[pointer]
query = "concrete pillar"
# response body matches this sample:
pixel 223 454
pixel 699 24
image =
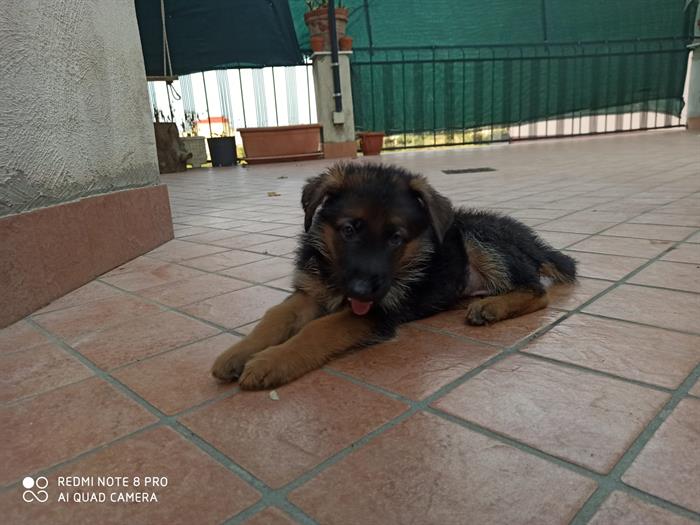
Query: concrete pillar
pixel 338 128
pixel 79 187
pixel 694 84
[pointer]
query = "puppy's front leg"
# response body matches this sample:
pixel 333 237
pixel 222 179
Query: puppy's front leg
pixel 277 325
pixel 311 348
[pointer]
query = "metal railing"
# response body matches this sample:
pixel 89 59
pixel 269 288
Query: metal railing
pixel 435 96
pixel 247 97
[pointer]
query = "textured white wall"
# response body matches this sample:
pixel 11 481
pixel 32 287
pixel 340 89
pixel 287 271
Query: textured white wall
pixel 74 112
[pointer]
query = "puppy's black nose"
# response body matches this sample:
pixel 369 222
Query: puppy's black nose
pixel 360 288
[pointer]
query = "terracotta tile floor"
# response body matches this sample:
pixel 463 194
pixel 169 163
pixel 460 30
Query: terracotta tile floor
pixel 587 411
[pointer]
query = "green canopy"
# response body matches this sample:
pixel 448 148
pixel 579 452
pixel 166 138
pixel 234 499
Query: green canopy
pixel 420 66
pixel 217 34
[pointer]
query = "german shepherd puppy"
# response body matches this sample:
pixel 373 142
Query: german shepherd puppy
pixel 381 247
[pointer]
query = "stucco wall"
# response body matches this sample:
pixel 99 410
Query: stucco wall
pixel 74 111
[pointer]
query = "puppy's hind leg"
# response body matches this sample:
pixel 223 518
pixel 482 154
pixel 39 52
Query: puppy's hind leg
pixel 515 303
pixel 277 325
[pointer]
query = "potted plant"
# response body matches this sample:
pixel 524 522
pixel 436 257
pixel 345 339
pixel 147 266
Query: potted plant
pixel 345 43
pixel 282 143
pixel 371 142
pixel 221 141
pixel 316 19
pixel 172 156
pixel 193 143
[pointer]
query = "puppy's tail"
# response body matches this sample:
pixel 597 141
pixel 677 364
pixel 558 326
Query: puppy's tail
pixel 559 267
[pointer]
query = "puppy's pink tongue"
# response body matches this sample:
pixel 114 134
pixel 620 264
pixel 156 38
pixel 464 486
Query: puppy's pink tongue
pixel 360 307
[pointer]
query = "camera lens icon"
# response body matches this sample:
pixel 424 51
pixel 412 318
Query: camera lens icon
pixel 39 495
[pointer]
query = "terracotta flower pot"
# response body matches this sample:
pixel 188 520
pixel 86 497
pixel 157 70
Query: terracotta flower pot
pixel 317 22
pixel 371 142
pixel 282 143
pixel 316 43
pixel 345 43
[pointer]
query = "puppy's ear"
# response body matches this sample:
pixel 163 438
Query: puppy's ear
pixel 317 189
pixel 439 207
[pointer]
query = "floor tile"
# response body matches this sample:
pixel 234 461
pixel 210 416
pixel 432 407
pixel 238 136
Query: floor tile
pixel 604 266
pixel 581 417
pixel 572 226
pixel 428 470
pixel 559 239
pixel 687 253
pixel 650 231
pixel 20 336
pixel 180 379
pixel 199 490
pixel 177 250
pixel 188 231
pixel 538 213
pixel 210 235
pixel 140 264
pixel 270 516
pixel 37 370
pixel 35 435
pixel 503 333
pixel 92 291
pixel 192 290
pixel 262 271
pixel 162 274
pixel 695 390
pixel 669 466
pixel 245 241
pixel 277 441
pixel 202 220
pixel 140 338
pixel 642 353
pixel 237 308
pixel 224 260
pixel 643 248
pixel 279 247
pixel 285 283
pixel 694 239
pixel 246 328
pixel 416 363
pixel 72 323
pixel 623 509
pixel 664 308
pixel 666 274
pixel 668 219
pixel 571 296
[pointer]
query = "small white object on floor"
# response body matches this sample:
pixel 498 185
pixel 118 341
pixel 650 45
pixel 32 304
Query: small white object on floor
pixel 274 396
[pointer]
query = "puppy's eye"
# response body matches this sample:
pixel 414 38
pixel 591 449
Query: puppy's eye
pixel 347 231
pixel 396 240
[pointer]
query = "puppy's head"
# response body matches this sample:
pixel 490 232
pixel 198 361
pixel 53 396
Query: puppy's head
pixel 374 222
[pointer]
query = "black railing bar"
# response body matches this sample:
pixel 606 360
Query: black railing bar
pixel 308 90
pixel 240 85
pixel 434 104
pixel 403 93
pixel 464 98
pixel 274 94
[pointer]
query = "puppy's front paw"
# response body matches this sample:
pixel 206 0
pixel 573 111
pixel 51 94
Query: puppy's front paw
pixel 263 372
pixel 482 312
pixel 229 366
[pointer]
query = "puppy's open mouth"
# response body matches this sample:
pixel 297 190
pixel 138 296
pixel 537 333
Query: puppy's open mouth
pixel 359 307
